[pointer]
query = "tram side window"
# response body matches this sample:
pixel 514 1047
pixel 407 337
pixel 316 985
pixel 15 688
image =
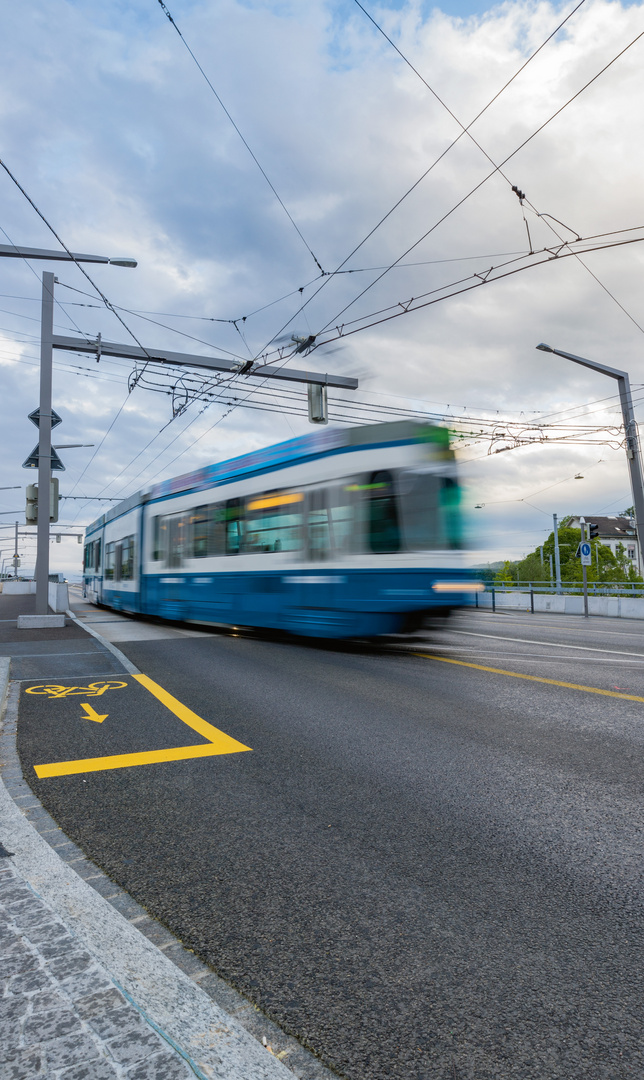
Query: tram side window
pixel 97 556
pixel 159 537
pixel 126 566
pixel 430 511
pixel 110 559
pixel 450 505
pixel 384 531
pixel 88 561
pixel 273 522
pixel 421 516
pixel 177 526
pixel 208 531
pixel 318 526
pixel 344 523
pixel 234 526
pixel 199 529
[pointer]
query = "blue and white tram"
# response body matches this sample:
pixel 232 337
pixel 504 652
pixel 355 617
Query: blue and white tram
pixel 340 533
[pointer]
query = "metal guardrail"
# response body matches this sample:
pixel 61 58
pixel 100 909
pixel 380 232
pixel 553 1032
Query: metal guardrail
pixel 574 588
pixel 628 589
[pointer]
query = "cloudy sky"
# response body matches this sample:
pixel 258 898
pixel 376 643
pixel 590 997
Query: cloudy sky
pixel 114 132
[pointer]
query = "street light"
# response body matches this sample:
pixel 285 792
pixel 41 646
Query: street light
pixel 16 251
pixel 44 425
pixel 630 430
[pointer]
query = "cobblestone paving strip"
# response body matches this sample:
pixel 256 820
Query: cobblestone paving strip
pixel 60 1013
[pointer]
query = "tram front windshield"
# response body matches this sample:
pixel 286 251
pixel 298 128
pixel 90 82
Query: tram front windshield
pixel 429 505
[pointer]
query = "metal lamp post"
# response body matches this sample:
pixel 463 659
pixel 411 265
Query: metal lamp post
pixel 13 251
pixel 630 428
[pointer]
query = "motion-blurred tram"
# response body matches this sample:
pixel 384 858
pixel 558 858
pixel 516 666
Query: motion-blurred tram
pixel 337 534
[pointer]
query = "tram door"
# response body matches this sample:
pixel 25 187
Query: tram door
pixel 173 598
pixel 177 540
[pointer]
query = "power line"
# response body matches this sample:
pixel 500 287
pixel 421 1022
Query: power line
pixel 80 266
pixel 495 170
pixel 477 280
pixel 255 159
pixel 427 171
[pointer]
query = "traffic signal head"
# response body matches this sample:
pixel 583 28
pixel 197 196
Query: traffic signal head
pixel 593 531
pixel 31 509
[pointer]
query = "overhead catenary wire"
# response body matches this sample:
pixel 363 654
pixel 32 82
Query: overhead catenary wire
pixel 244 140
pixel 426 173
pixel 497 169
pixel 80 266
pixel 476 281
pixel 98 291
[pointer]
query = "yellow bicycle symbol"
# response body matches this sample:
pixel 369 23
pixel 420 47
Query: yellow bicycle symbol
pixel 94 689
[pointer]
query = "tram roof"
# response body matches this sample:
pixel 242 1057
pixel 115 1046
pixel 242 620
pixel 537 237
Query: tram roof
pixel 303 448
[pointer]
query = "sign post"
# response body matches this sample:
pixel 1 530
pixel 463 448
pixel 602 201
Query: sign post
pixel 585 553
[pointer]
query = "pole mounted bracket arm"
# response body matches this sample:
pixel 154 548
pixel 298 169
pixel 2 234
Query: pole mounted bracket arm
pixel 630 431
pixel 212 363
pixel 614 373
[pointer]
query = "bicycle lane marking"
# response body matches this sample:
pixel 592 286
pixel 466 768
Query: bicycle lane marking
pixel 218 742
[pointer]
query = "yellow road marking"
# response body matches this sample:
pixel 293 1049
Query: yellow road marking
pixel 531 678
pixel 218 742
pixel 91 713
pixel 94 689
pixel 122 761
pixel 213 734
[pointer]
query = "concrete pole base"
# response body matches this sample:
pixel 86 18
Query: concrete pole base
pixel 39 622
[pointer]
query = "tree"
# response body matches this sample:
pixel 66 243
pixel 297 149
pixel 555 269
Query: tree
pixel 606 566
pixel 507 575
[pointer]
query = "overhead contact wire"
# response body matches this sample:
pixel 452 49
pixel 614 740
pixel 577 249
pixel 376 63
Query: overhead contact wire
pixel 495 170
pixel 465 130
pixel 246 144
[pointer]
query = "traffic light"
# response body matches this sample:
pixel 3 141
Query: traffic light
pixel 593 531
pixel 31 509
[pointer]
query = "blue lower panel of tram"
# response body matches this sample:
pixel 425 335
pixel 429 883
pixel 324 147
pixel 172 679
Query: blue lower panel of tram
pixel 323 604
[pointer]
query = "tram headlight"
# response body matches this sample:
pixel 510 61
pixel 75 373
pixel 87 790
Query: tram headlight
pixel 458 586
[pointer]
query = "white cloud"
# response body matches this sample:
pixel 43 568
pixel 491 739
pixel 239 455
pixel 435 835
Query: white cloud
pixel 111 128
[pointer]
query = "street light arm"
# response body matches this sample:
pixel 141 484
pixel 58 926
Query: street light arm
pixel 615 373
pixel 630 430
pixel 13 251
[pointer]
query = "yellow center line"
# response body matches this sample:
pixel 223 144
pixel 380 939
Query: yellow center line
pixel 531 678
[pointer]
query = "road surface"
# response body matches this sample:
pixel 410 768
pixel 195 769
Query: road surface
pixel 422 857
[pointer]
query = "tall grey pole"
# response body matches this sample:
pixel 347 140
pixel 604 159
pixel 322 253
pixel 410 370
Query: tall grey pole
pixel 15 554
pixel 44 444
pixel 633 455
pixel 557 557
pixel 582 526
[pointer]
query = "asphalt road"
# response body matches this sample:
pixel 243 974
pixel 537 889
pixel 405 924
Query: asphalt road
pixel 423 869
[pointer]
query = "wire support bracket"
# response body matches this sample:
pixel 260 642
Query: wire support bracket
pixel 109 348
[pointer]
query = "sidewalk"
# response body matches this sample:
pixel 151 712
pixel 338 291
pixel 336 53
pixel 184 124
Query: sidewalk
pixel 91 987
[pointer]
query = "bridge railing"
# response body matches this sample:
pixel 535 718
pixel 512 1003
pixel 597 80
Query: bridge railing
pixel 572 588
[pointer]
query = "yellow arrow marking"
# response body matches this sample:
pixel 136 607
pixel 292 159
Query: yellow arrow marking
pixel 92 714
pixel 218 742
